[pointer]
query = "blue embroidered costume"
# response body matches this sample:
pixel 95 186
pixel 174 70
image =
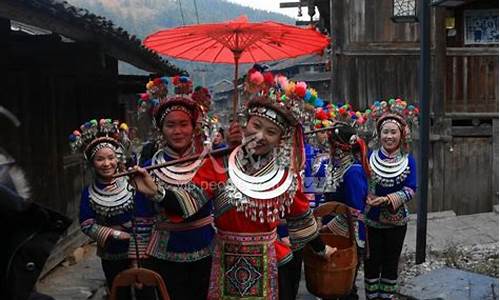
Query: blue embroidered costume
pixel 393 182
pixel 183 230
pixel 100 226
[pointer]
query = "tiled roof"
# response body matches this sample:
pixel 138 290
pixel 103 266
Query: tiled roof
pixel 82 25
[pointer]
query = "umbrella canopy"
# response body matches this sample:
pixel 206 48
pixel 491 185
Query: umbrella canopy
pixel 236 41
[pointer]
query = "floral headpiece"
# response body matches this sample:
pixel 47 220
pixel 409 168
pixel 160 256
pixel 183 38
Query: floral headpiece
pixel 330 114
pixel 182 85
pixel 156 90
pixel 93 136
pixel 322 118
pixel 202 96
pixel 286 103
pixel 341 116
pixel 210 122
pixel 196 105
pixel 396 111
pixel 346 134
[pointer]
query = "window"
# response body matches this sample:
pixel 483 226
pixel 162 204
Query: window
pixel 481 26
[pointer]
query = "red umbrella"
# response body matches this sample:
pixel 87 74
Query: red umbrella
pixel 236 41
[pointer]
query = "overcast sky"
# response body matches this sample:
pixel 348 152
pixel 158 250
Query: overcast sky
pixel 274 6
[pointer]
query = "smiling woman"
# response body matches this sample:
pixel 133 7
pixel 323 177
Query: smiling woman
pixel 105 163
pixel 260 186
pixel 390 136
pixel 393 183
pixel 267 134
pixel 183 232
pixel 110 209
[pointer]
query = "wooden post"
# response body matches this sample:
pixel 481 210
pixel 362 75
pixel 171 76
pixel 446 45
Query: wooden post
pixel 440 126
pixel 424 95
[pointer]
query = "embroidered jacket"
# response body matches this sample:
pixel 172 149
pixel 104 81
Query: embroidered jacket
pixel 314 178
pixel 314 174
pixel 183 229
pixel 302 226
pixel 352 191
pixel 394 213
pixel 100 228
pixel 247 252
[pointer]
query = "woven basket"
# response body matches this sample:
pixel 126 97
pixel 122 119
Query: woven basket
pixel 334 278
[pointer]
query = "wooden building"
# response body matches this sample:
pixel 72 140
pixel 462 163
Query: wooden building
pixel 59 68
pixel 374 58
pixel 222 100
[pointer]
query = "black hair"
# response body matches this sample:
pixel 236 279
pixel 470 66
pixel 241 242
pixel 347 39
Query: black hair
pixel 221 131
pixel 342 133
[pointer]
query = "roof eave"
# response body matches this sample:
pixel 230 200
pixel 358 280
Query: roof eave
pixel 129 51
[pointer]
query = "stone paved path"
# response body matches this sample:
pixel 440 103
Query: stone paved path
pixel 85 279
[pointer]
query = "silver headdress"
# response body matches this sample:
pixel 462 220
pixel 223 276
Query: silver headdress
pixel 93 136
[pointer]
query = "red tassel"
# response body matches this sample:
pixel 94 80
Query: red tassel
pixel 364 156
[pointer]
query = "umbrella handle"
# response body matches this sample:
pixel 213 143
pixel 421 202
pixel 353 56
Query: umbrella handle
pixel 235 93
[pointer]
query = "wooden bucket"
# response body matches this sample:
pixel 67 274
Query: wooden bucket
pixel 334 278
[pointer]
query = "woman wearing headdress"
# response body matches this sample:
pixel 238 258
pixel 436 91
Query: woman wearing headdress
pixel 347 177
pixel 393 183
pixel 218 142
pixel 156 90
pixel 183 229
pixel 317 158
pixel 262 184
pixel 112 213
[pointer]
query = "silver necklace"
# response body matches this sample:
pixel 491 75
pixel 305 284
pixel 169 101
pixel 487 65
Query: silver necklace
pixel 175 175
pixel 336 172
pixel 111 202
pixel 255 183
pixel 262 197
pixel 387 173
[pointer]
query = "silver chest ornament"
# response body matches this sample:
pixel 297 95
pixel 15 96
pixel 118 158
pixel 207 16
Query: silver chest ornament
pixel 176 175
pixel 263 198
pixel 389 173
pixel 112 202
pixel 336 172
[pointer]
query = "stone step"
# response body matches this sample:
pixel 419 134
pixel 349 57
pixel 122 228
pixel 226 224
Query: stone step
pixel 451 284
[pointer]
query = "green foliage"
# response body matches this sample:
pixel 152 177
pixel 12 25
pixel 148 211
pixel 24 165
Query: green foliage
pixel 142 17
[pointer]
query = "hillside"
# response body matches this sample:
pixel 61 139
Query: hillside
pixel 142 17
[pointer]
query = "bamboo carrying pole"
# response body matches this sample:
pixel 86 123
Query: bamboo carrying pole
pixel 218 152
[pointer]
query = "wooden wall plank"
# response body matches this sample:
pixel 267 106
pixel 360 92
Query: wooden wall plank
pixel 438 83
pixel 369 22
pixel 472 83
pixel 468 181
